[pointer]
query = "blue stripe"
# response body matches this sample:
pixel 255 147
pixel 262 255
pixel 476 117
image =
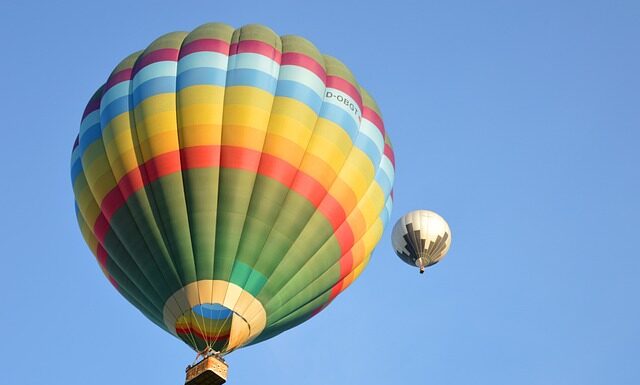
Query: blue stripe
pixel 384 182
pixel 201 76
pixel 385 214
pixel 364 143
pixel 76 169
pixel 252 78
pixel 212 311
pixel 92 134
pixel 152 87
pixel 341 118
pixel 298 91
pixel 115 108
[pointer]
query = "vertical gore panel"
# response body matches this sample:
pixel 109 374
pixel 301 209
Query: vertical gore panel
pixel 254 63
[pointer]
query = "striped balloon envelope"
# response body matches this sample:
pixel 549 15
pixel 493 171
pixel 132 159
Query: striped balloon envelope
pixel 231 182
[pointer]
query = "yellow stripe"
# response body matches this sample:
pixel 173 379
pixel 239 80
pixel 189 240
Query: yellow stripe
pixel 200 110
pixel 86 203
pixel 248 96
pixel 283 148
pixel 343 193
pixel 294 110
pixel 119 145
pixel 250 137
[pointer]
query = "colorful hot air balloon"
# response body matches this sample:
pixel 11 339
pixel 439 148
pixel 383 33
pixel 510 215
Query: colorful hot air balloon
pixel 421 238
pixel 231 182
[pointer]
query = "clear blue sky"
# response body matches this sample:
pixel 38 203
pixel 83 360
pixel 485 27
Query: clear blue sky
pixel 519 122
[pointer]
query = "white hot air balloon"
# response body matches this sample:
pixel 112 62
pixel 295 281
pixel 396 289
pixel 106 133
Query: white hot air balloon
pixel 421 238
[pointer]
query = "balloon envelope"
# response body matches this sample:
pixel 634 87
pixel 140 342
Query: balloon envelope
pixel 421 238
pixel 231 182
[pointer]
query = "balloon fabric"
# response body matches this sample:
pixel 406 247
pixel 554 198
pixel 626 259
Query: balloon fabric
pixel 231 182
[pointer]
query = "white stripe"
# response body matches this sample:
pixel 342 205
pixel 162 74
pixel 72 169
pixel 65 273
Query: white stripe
pixel 115 92
pixel 387 167
pixel 203 60
pixel 88 121
pixel 304 76
pixel 155 70
pixel 345 102
pixel 255 62
pixel 369 129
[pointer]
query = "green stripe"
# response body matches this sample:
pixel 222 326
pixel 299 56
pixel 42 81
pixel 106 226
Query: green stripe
pixel 128 290
pixel 234 195
pixel 201 195
pixel 218 31
pixel 306 287
pixel 311 234
pixel 292 320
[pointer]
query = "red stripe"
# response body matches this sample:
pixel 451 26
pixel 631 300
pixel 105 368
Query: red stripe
pixel 256 46
pixel 230 157
pixel 111 202
pixel 165 164
pixel 102 256
pixel 374 118
pixel 200 157
pixel 94 103
pixel 346 239
pixel 337 288
pixel 346 87
pixel 238 157
pixel 388 151
pixel 204 45
pixel 199 333
pixel 118 77
pixel 302 60
pixel 346 268
pixel 309 188
pixel 332 209
pixel 276 168
pixel 320 308
pixel 162 54
pixel 129 184
pixel 101 228
pixel 135 180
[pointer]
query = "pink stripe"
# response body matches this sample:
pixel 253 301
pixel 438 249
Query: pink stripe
pixel 374 118
pixel 388 151
pixel 162 54
pixel 204 45
pixel 346 87
pixel 302 60
pixel 118 77
pixel 256 46
pixel 94 104
pixel 101 228
pixel 102 256
pixel 346 239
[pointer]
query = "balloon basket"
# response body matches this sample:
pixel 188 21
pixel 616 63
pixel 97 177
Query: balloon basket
pixel 210 371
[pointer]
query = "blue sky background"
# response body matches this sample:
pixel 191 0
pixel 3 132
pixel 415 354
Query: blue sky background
pixel 519 122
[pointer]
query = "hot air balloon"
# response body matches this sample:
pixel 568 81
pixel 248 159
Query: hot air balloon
pixel 231 182
pixel 421 238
